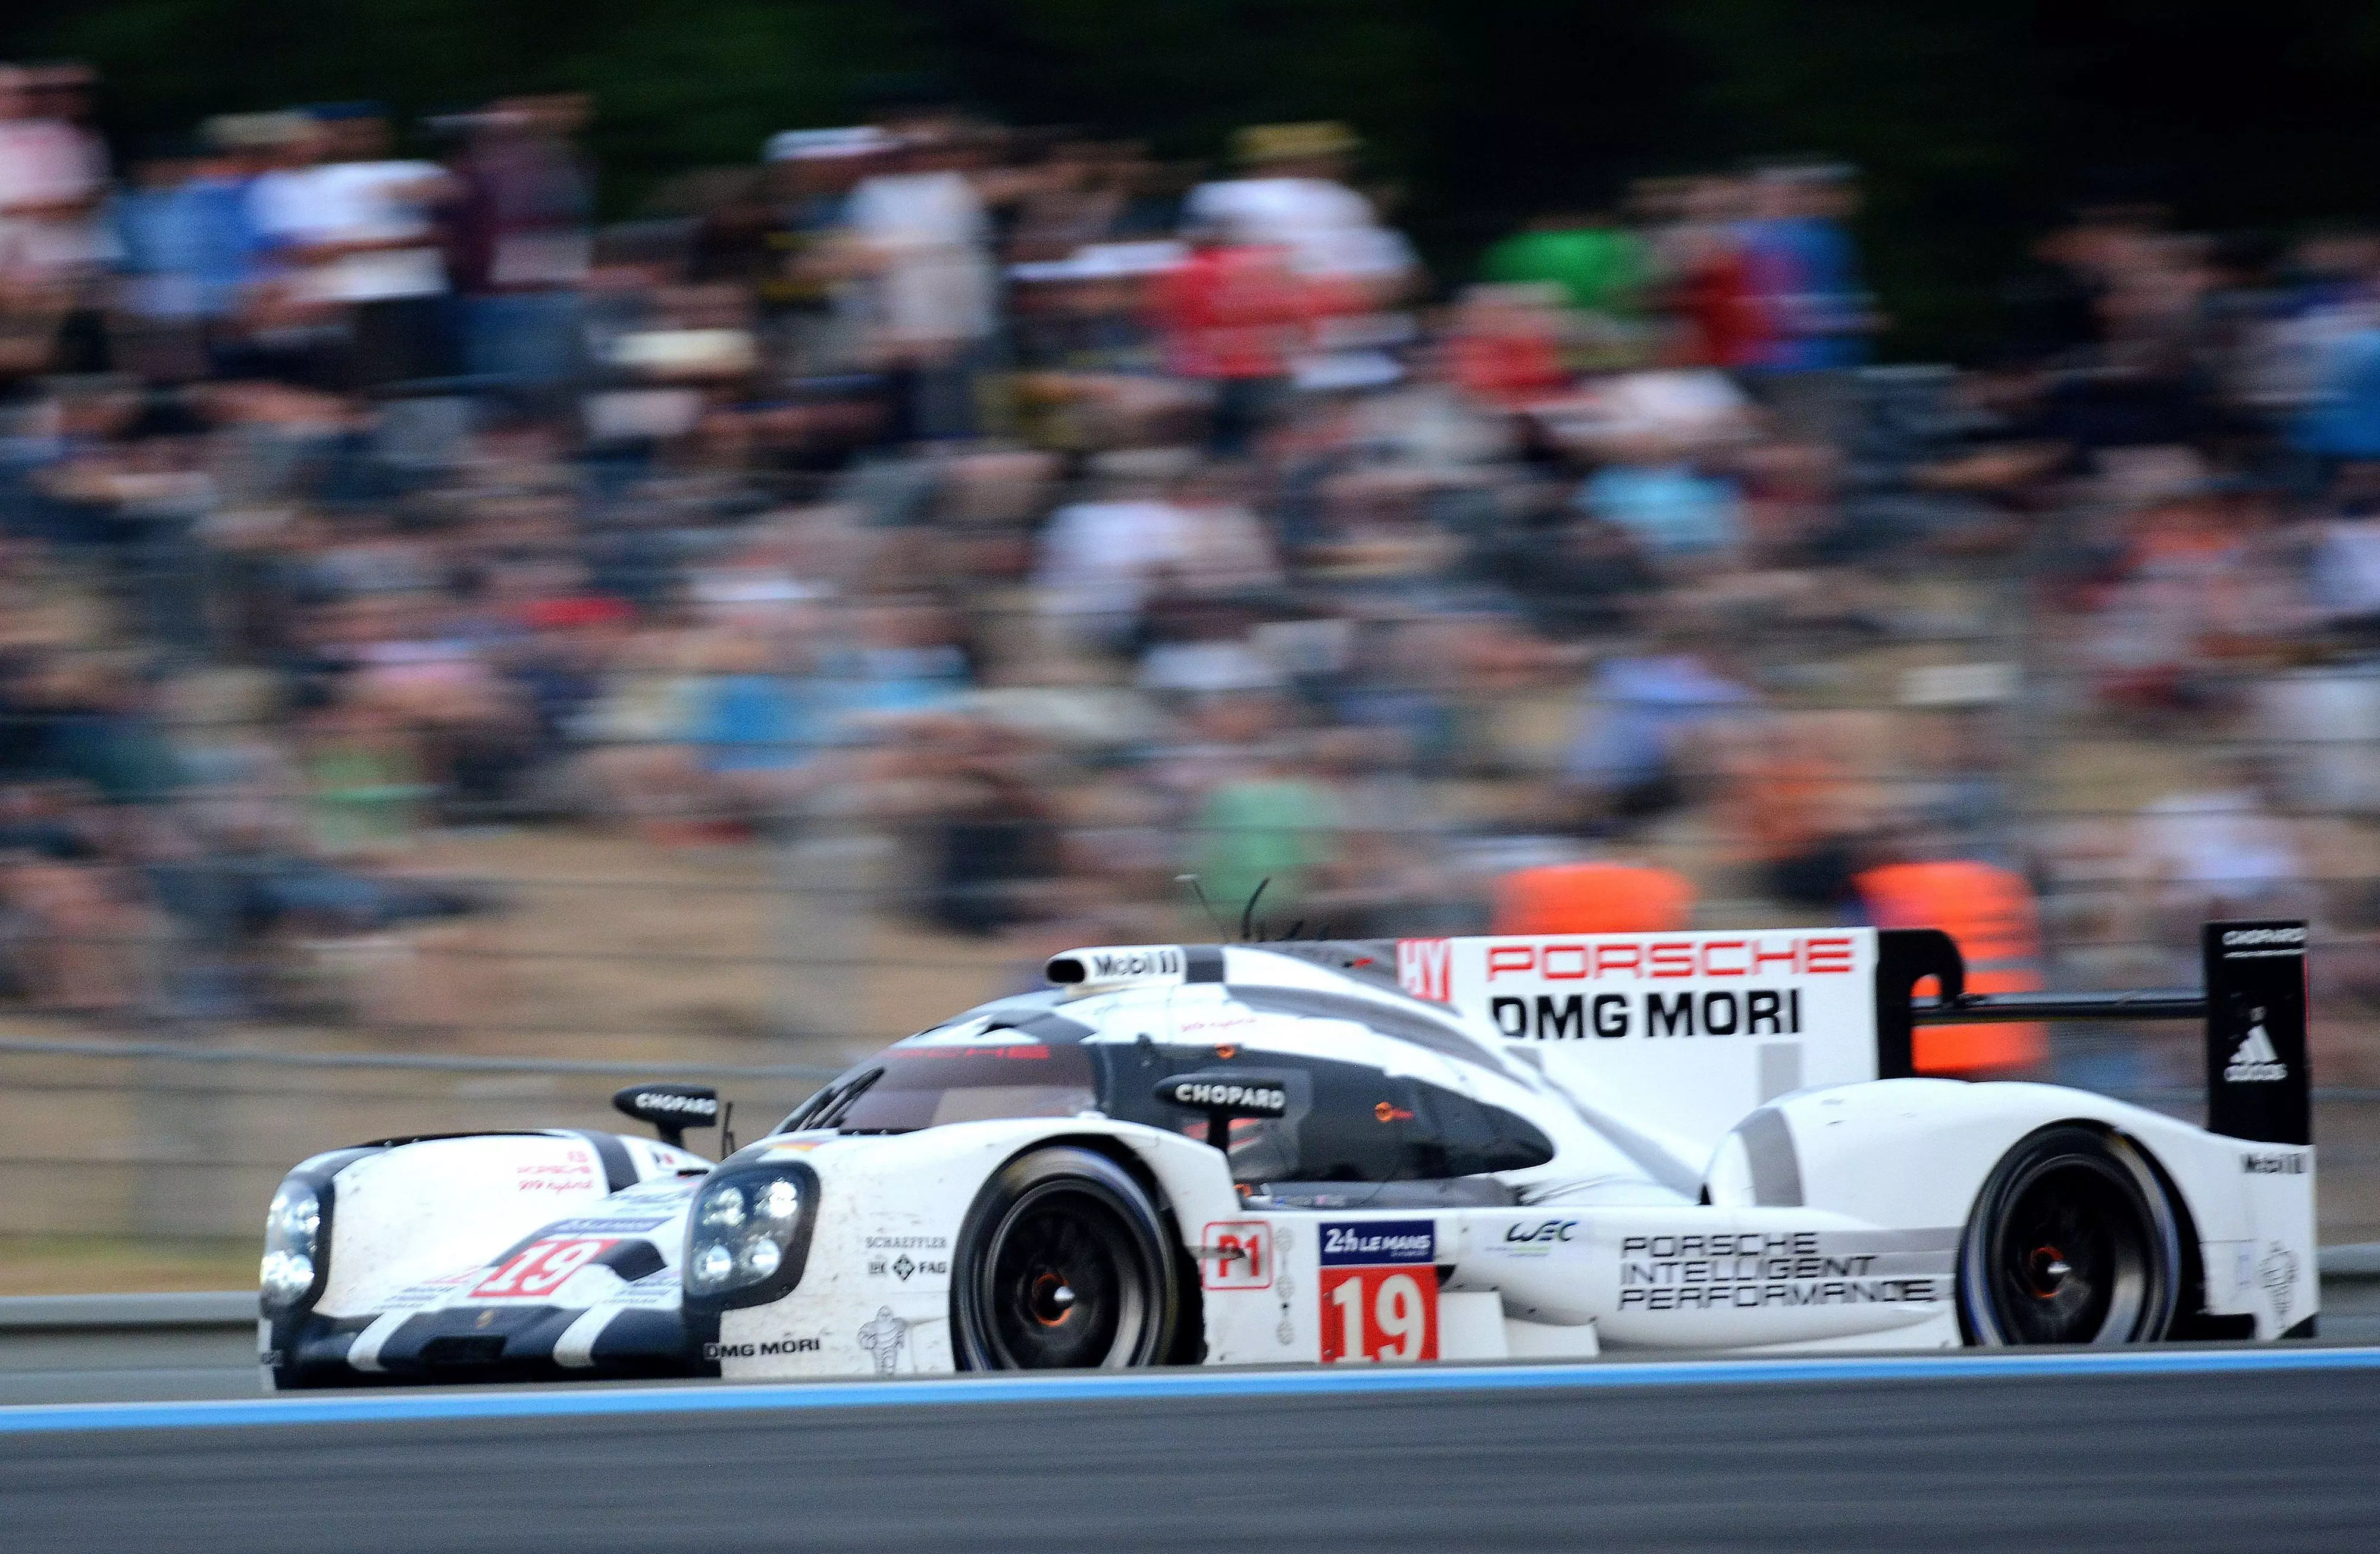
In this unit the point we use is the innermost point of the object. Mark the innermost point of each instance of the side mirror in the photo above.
(1224, 1093)
(669, 1109)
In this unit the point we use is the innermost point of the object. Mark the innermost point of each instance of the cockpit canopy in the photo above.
(1346, 1121)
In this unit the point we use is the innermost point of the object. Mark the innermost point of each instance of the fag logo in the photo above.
(2254, 1062)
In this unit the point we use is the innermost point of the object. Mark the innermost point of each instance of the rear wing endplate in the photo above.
(2252, 1009)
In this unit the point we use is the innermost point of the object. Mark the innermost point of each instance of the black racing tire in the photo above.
(2073, 1241)
(1064, 1264)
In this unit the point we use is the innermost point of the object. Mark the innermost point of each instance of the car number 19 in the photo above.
(1379, 1314)
(542, 1268)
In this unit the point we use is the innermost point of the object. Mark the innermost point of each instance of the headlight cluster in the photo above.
(293, 1229)
(745, 1229)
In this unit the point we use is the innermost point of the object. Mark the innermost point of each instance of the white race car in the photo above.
(1330, 1152)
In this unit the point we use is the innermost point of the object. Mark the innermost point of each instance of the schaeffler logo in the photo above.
(2254, 1062)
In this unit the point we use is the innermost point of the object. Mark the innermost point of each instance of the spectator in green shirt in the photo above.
(1600, 266)
(1279, 826)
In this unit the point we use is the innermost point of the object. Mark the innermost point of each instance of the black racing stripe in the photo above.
(321, 1348)
(632, 1260)
(1202, 963)
(641, 1334)
(327, 1166)
(536, 1342)
(403, 1349)
(619, 1171)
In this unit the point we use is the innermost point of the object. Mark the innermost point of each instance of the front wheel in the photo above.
(1064, 1263)
(2073, 1241)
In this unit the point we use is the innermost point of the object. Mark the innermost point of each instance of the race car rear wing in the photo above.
(2253, 1008)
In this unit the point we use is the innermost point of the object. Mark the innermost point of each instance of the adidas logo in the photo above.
(2254, 1062)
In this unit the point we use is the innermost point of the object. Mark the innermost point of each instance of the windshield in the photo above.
(926, 1086)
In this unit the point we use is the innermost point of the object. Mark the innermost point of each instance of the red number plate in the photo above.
(1380, 1313)
(540, 1268)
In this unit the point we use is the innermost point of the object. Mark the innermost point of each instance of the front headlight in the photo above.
(293, 1229)
(747, 1235)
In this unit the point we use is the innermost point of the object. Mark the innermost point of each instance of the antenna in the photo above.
(1192, 881)
(1249, 913)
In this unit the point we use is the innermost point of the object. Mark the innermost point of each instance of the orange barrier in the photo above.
(1989, 913)
(1593, 898)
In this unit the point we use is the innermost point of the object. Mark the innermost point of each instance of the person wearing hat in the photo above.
(1294, 195)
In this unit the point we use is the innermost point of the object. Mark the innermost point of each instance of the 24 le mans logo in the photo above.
(1379, 1290)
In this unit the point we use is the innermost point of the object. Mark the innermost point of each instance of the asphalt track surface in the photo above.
(2261, 1449)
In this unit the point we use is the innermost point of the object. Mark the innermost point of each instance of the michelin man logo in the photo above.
(2254, 1060)
(883, 1336)
(2278, 1274)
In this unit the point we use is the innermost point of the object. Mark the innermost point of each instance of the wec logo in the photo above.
(1551, 1230)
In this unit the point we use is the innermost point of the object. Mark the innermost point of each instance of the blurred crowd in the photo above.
(1068, 521)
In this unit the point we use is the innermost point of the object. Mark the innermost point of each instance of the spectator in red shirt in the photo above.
(1506, 346)
(1232, 315)
(1716, 299)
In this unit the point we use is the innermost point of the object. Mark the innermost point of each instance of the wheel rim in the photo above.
(1065, 1289)
(2072, 1260)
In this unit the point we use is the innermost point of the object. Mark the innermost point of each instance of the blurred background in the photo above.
(551, 545)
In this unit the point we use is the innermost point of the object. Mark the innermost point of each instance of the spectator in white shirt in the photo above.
(922, 233)
(355, 234)
(53, 176)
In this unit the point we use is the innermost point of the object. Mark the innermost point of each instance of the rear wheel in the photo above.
(1064, 1263)
(2073, 1241)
